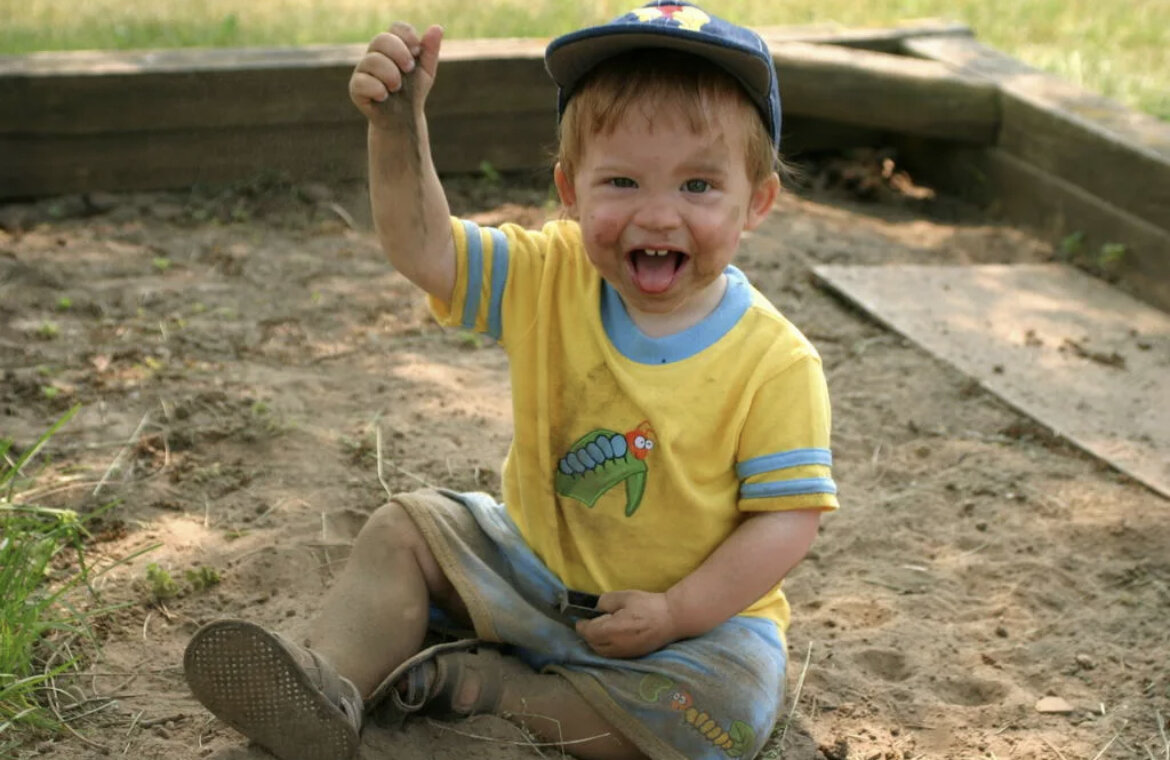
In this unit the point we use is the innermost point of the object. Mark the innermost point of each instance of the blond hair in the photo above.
(657, 80)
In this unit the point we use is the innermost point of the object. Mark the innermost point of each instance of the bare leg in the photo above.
(551, 709)
(375, 615)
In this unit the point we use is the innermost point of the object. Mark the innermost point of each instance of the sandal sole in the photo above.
(243, 675)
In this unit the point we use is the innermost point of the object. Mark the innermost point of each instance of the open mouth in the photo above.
(654, 269)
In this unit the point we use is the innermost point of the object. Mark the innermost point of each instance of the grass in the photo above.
(42, 618)
(1120, 48)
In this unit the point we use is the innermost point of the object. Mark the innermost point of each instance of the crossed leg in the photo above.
(375, 615)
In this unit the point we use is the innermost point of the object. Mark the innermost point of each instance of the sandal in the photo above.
(431, 682)
(280, 695)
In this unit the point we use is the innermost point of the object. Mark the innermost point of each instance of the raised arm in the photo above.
(390, 86)
(753, 559)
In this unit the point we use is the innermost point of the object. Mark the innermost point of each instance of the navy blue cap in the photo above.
(678, 26)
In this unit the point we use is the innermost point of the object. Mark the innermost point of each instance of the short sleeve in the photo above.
(491, 265)
(481, 272)
(784, 459)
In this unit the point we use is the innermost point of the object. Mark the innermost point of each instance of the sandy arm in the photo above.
(411, 216)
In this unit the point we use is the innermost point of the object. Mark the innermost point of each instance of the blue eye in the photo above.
(696, 186)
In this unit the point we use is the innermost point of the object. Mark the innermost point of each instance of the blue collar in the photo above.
(636, 346)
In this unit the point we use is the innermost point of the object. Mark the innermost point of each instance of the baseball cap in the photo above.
(679, 26)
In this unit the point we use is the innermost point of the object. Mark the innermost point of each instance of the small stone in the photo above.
(1001, 632)
(1085, 661)
(1054, 706)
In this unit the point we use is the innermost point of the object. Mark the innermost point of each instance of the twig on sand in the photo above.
(513, 742)
(121, 452)
(1162, 733)
(404, 471)
(1108, 744)
(345, 216)
(378, 446)
(150, 722)
(129, 731)
(1053, 748)
(796, 696)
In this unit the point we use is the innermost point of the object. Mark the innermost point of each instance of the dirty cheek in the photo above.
(602, 228)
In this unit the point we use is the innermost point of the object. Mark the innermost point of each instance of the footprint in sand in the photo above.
(969, 692)
(855, 614)
(886, 664)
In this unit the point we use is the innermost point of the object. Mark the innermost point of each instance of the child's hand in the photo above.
(396, 62)
(636, 623)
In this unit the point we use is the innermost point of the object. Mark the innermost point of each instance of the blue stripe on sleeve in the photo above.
(474, 273)
(783, 460)
(499, 278)
(800, 487)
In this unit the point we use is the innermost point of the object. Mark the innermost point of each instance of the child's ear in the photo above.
(566, 190)
(763, 198)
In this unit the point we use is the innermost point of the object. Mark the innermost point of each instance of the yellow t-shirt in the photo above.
(632, 457)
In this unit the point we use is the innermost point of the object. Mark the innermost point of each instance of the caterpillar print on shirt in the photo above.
(600, 460)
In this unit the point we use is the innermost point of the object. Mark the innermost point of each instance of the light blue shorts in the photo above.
(714, 696)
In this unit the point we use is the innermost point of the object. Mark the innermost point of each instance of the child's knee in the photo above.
(390, 526)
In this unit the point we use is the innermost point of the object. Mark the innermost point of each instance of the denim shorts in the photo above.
(714, 696)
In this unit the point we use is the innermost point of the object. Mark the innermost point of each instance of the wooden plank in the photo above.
(72, 122)
(213, 96)
(1116, 153)
(100, 62)
(882, 40)
(126, 161)
(54, 164)
(173, 89)
(882, 91)
(1085, 360)
(1054, 208)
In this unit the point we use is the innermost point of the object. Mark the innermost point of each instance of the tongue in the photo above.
(654, 274)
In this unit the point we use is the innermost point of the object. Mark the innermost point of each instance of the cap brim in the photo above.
(571, 57)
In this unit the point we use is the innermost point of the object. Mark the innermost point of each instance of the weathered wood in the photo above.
(1054, 208)
(126, 161)
(1010, 326)
(883, 91)
(882, 40)
(279, 91)
(73, 122)
(54, 164)
(1111, 151)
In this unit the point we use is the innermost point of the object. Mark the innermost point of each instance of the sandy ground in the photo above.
(238, 351)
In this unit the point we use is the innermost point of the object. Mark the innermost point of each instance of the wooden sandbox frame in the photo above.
(963, 117)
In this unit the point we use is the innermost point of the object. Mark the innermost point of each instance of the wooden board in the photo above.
(1053, 207)
(69, 122)
(892, 92)
(1114, 152)
(1084, 359)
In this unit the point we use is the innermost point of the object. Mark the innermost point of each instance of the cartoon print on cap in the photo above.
(688, 17)
(600, 460)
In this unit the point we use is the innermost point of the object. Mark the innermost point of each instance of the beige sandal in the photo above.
(431, 682)
(280, 695)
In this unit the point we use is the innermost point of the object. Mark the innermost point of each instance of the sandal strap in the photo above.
(408, 689)
(388, 689)
(452, 672)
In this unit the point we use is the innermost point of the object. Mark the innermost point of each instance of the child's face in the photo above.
(662, 209)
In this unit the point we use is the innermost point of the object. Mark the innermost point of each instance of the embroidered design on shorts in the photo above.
(735, 740)
(600, 460)
(688, 17)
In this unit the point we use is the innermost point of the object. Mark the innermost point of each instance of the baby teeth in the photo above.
(656, 252)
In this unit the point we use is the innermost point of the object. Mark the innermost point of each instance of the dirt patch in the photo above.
(241, 353)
